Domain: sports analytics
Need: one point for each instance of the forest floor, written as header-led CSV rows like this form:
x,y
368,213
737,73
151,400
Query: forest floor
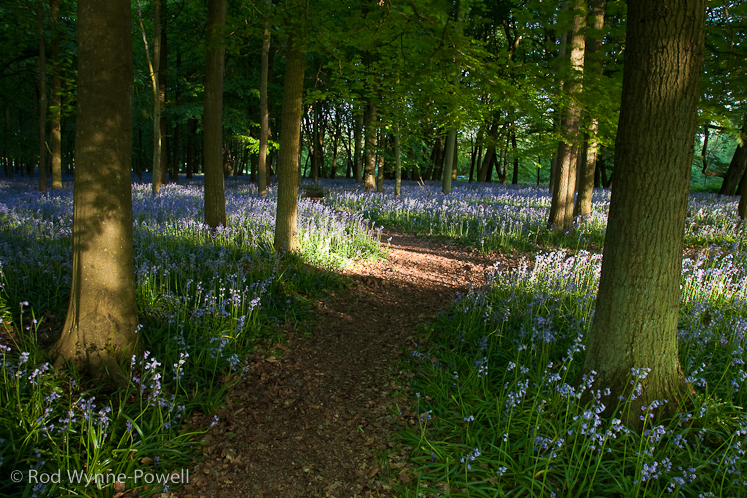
x,y
318,417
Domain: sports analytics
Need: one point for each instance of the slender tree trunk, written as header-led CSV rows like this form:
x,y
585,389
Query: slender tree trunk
x,y
317,160
358,157
191,125
638,303
175,158
561,208
451,137
397,162
514,147
101,324
335,143
380,161
153,65
264,115
286,225
163,121
42,102
55,137
215,198
369,123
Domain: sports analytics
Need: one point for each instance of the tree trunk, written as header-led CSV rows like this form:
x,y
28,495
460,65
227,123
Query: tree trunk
x,y
101,324
380,161
264,115
191,125
514,147
358,157
737,165
638,303
215,197
397,162
561,208
587,167
369,124
286,225
163,121
438,159
175,157
55,136
317,160
451,137
155,66
42,103
335,143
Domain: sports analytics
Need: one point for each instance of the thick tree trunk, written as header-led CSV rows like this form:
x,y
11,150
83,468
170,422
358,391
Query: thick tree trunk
x,y
101,324
587,166
637,310
215,197
264,114
561,208
737,165
42,103
286,225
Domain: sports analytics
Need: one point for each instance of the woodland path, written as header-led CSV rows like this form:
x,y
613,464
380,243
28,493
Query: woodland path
x,y
316,422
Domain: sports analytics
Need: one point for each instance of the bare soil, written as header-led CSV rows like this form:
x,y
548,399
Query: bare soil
x,y
318,420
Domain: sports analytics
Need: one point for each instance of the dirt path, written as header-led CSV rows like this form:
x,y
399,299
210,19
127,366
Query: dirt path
x,y
314,422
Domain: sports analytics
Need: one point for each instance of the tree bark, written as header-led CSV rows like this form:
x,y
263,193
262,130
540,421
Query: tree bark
x,y
638,303
42,103
587,166
286,225
737,165
264,115
561,208
101,324
215,197
55,136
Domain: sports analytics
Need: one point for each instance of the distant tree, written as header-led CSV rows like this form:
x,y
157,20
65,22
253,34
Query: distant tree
x,y
215,196
587,162
55,135
154,65
101,324
264,118
42,101
564,186
638,303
